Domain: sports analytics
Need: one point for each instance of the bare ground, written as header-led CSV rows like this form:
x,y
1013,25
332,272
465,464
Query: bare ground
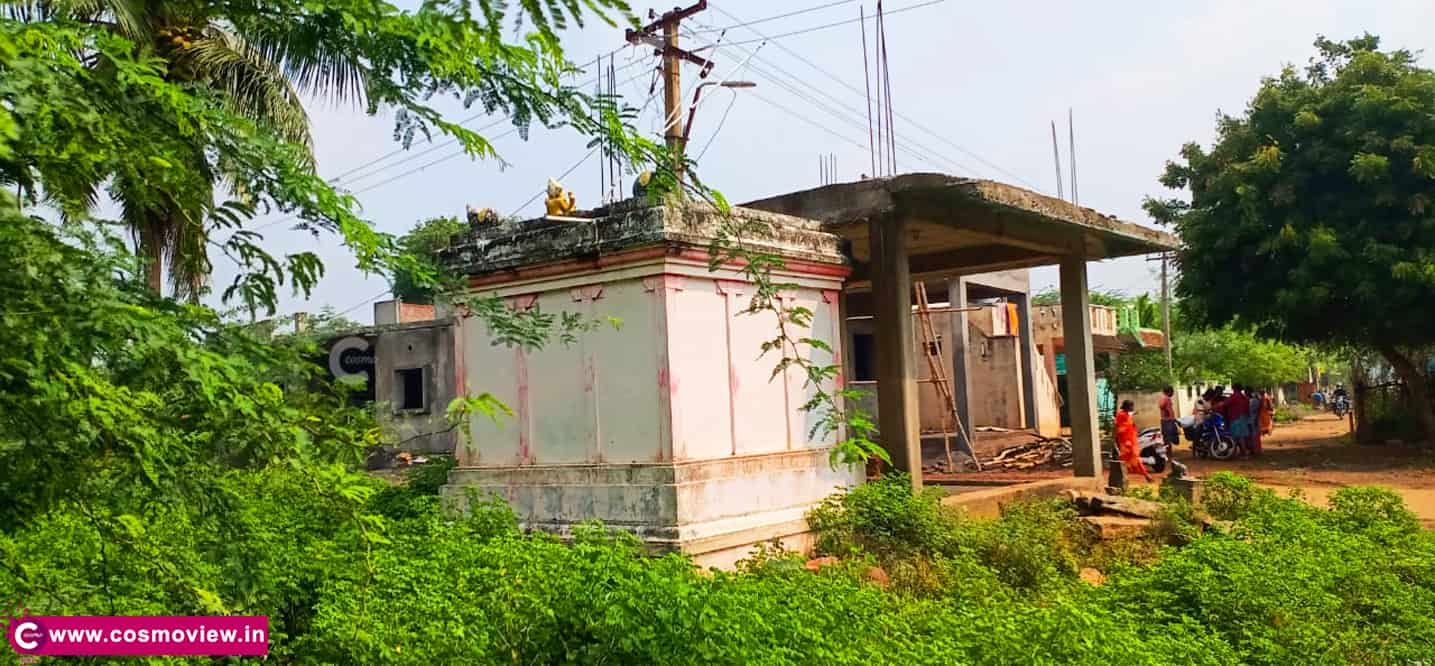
x,y
1316,456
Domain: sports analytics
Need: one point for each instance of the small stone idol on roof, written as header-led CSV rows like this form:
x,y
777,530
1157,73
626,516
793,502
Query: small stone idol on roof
x,y
557,204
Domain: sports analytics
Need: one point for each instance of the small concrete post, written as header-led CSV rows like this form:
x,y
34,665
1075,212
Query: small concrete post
x,y
1080,371
961,337
898,427
1188,488
1116,476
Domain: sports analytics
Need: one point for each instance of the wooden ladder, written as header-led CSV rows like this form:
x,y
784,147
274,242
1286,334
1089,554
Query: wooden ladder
x,y
939,379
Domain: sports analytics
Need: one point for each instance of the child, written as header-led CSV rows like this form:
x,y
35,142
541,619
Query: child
x,y
1126,440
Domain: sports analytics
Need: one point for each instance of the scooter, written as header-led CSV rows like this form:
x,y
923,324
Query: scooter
x,y
1211,438
1154,452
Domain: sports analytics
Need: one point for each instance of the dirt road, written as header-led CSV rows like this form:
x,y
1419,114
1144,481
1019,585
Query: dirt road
x,y
1317,456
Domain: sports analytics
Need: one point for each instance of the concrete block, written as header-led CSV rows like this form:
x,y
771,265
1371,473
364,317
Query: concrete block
x,y
988,503
1109,528
1187,488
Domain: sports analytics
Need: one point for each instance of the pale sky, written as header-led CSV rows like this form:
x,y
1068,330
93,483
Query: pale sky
x,y
1141,77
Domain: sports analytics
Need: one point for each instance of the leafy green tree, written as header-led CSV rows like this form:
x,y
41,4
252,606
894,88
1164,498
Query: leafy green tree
x,y
1311,217
1238,356
128,411
257,58
1107,297
421,242
197,46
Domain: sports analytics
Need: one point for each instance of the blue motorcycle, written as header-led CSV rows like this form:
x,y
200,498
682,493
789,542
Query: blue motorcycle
x,y
1211,438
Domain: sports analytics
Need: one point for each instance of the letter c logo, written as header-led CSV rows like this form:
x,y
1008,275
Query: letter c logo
x,y
27,629
337,352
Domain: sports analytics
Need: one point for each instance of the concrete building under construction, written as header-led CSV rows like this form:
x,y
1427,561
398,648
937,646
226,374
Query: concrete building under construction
x,y
673,428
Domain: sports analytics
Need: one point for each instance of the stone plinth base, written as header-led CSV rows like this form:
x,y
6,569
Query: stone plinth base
x,y
1187,488
714,510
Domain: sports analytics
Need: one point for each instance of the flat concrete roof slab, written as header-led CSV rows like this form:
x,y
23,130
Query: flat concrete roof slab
x,y
492,249
964,225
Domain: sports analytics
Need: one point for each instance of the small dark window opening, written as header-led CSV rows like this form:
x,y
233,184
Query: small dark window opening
x,y
864,357
934,348
411,388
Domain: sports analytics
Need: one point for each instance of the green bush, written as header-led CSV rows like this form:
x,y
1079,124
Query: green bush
x,y
1290,583
885,518
1228,496
1376,511
1291,413
417,495
1295,584
1032,546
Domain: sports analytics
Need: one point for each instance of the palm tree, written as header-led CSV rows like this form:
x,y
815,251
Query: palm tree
x,y
259,73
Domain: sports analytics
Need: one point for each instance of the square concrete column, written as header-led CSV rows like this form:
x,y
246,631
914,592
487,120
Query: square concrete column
x,y
1027,345
1080,372
897,424
961,337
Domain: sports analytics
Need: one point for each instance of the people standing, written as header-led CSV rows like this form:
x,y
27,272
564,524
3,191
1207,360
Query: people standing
x,y
1268,413
1237,411
1256,405
1126,443
1170,428
1202,408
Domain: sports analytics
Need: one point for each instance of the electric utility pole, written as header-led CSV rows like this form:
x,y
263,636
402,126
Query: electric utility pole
x,y
673,55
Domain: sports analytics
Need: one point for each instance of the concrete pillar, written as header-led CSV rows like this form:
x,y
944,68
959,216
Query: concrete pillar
x,y
1080,372
1027,345
961,337
898,427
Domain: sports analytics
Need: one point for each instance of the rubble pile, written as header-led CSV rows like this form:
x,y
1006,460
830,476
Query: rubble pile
x,y
1043,452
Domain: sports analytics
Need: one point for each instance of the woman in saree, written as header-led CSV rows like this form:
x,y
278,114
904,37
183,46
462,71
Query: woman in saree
x,y
1126,443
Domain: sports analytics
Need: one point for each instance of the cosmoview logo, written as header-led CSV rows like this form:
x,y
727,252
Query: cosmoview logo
x,y
336,358
27,635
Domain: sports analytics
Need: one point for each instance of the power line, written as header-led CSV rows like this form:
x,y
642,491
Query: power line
x,y
779,16
826,26
810,121
360,304
905,118
445,158
716,130
457,153
465,121
852,117
413,156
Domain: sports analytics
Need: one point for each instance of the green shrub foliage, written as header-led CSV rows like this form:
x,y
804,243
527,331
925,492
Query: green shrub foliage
x,y
1287,583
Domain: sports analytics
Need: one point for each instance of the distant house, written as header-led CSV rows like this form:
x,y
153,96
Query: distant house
x,y
406,366
1114,330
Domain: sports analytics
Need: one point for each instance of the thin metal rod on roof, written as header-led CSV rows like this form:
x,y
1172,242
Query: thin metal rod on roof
x,y
1071,152
881,118
867,84
1056,158
887,80
598,116
615,191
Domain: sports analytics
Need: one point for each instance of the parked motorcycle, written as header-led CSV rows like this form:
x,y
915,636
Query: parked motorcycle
x,y
1154,452
1211,438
